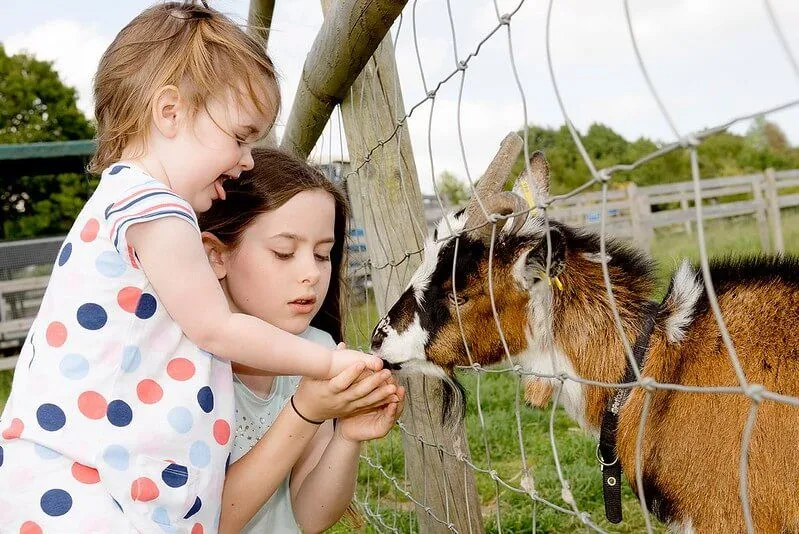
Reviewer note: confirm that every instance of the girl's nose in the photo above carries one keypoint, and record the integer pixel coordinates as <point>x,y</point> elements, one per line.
<point>246,162</point>
<point>311,272</point>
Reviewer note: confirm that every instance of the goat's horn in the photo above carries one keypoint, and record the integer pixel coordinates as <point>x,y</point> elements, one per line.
<point>503,203</point>
<point>494,178</point>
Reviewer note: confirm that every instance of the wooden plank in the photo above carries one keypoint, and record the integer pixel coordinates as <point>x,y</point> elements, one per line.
<point>8,363</point>
<point>729,209</point>
<point>707,183</point>
<point>349,36</point>
<point>787,201</point>
<point>23,284</point>
<point>705,194</point>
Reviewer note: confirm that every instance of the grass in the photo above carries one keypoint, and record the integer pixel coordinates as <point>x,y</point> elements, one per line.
<point>575,448</point>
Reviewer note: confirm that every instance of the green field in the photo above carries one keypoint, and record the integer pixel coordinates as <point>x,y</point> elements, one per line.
<point>575,448</point>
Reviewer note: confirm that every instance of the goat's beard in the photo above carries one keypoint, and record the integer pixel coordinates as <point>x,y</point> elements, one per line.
<point>453,394</point>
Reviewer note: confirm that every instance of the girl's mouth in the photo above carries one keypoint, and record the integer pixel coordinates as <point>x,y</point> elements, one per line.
<point>303,305</point>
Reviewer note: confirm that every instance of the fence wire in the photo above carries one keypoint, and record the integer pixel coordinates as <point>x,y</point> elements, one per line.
<point>386,498</point>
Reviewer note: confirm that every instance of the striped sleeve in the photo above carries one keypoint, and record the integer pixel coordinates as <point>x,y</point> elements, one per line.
<point>147,201</point>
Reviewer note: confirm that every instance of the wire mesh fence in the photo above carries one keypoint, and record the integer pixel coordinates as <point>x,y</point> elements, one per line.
<point>526,482</point>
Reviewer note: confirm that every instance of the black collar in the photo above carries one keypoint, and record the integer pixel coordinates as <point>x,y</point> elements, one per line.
<point>606,449</point>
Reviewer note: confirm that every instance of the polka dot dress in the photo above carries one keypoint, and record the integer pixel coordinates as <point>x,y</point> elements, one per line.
<point>116,421</point>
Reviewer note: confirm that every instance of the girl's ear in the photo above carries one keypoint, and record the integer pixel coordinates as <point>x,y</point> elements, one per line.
<point>217,253</point>
<point>167,108</point>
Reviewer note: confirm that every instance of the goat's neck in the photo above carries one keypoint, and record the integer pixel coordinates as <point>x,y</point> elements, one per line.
<point>585,330</point>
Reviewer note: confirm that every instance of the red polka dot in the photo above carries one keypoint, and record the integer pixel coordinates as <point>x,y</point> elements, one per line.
<point>197,529</point>
<point>149,391</point>
<point>29,527</point>
<point>14,430</point>
<point>89,232</point>
<point>180,369</point>
<point>92,405</point>
<point>143,489</point>
<point>56,334</point>
<point>221,431</point>
<point>128,298</point>
<point>85,474</point>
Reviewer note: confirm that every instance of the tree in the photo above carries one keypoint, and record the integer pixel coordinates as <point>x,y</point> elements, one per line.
<point>36,106</point>
<point>453,191</point>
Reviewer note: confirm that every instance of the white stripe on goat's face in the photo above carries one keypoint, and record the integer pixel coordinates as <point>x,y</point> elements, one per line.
<point>403,346</point>
<point>420,280</point>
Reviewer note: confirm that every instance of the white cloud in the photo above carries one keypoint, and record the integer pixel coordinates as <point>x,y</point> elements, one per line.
<point>710,60</point>
<point>75,50</point>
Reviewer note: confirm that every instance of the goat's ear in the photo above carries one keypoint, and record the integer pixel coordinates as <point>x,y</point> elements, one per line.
<point>536,261</point>
<point>536,176</point>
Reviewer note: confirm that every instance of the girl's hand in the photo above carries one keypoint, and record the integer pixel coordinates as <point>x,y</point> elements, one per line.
<point>374,423</point>
<point>345,394</point>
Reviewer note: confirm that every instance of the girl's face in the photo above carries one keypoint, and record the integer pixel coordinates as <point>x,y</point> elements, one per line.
<point>210,146</point>
<point>280,271</point>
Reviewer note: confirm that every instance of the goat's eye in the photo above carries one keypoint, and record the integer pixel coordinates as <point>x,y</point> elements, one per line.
<point>460,300</point>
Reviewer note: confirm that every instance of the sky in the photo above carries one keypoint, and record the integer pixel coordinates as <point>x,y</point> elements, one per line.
<point>710,61</point>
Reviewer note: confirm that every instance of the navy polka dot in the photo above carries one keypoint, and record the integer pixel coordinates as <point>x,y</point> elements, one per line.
<point>175,475</point>
<point>1,456</point>
<point>66,252</point>
<point>56,502</point>
<point>92,316</point>
<point>146,307</point>
<point>117,169</point>
<point>119,413</point>
<point>206,399</point>
<point>194,508</point>
<point>50,417</point>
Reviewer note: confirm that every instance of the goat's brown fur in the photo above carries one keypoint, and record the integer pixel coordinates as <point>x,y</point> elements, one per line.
<point>691,444</point>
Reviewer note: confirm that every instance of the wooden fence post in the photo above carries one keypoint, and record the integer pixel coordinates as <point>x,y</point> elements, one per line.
<point>639,217</point>
<point>685,207</point>
<point>387,201</point>
<point>760,213</point>
<point>774,216</point>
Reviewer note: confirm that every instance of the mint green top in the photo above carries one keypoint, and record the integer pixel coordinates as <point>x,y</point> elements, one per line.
<point>254,416</point>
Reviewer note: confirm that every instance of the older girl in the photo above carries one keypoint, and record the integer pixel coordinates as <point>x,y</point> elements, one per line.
<point>277,246</point>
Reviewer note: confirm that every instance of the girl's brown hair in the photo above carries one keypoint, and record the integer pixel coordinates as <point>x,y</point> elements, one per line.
<point>197,49</point>
<point>275,179</point>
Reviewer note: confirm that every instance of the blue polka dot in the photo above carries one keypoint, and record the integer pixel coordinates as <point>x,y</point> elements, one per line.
<point>66,252</point>
<point>180,419</point>
<point>117,169</point>
<point>110,264</point>
<point>45,453</point>
<point>161,516</point>
<point>1,456</point>
<point>206,399</point>
<point>200,454</point>
<point>175,475</point>
<point>131,358</point>
<point>194,508</point>
<point>50,417</point>
<point>117,457</point>
<point>119,413</point>
<point>92,316</point>
<point>56,502</point>
<point>74,366</point>
<point>146,307</point>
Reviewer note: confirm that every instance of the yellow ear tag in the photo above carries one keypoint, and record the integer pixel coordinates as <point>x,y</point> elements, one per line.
<point>558,283</point>
<point>528,196</point>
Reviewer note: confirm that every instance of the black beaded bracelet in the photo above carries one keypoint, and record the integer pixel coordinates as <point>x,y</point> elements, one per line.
<point>302,416</point>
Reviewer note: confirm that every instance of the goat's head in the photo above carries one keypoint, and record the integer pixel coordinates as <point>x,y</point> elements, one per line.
<point>475,273</point>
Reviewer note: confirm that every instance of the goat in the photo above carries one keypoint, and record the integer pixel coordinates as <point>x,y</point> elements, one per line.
<point>692,441</point>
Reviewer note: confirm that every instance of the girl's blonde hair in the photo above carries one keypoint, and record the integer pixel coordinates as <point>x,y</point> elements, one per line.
<point>195,48</point>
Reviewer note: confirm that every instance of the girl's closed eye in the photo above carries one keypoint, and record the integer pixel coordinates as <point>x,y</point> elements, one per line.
<point>283,255</point>
<point>322,257</point>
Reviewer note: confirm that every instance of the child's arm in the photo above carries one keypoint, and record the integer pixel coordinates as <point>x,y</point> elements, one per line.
<point>172,256</point>
<point>253,478</point>
<point>323,481</point>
